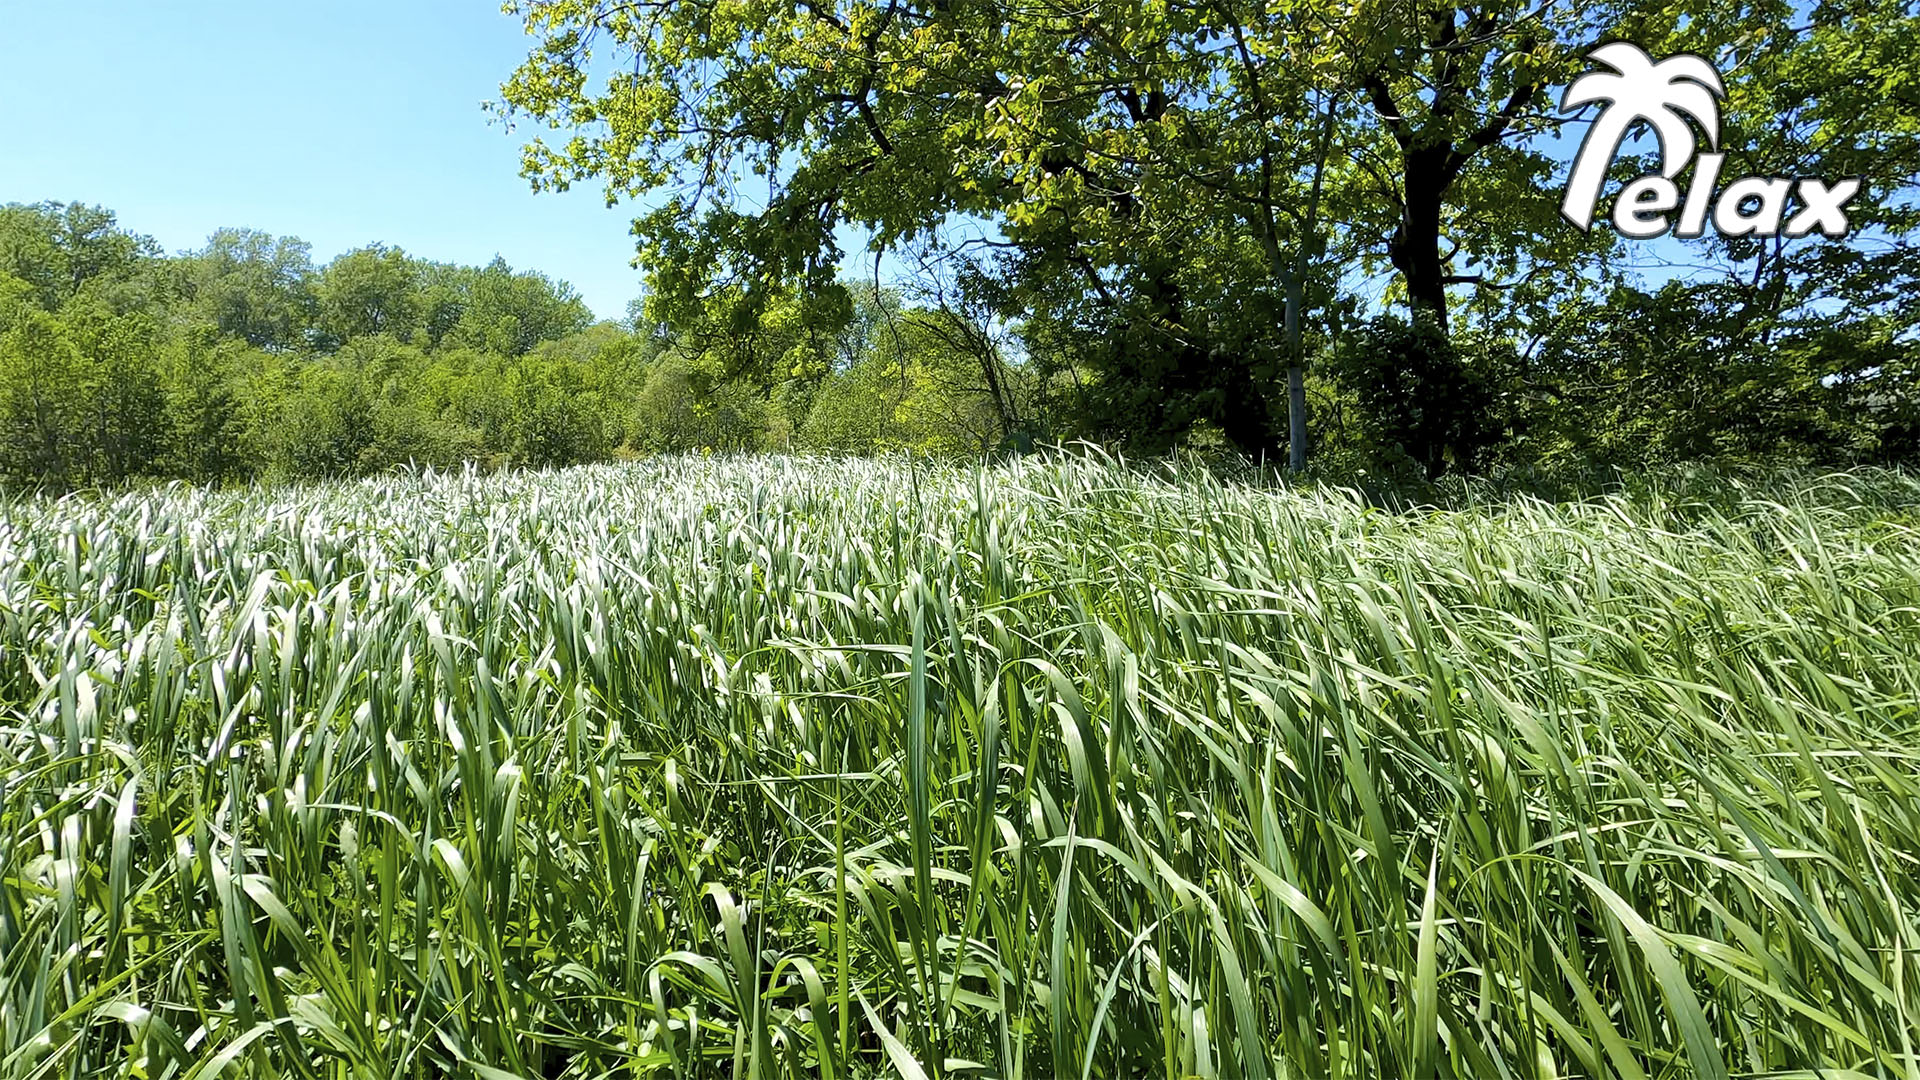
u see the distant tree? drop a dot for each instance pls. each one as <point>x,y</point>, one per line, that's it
<point>446,292</point>
<point>370,290</point>
<point>317,423</point>
<point>43,394</point>
<point>556,418</point>
<point>513,312</point>
<point>124,433</point>
<point>255,286</point>
<point>689,404</point>
<point>58,249</point>
<point>81,395</point>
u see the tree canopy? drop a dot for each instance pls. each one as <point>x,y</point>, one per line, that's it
<point>1146,169</point>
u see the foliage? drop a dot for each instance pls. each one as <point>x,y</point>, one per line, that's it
<point>1144,168</point>
<point>254,286</point>
<point>244,360</point>
<point>1687,373</point>
<point>687,405</point>
<point>918,387</point>
<point>62,250</point>
<point>1417,394</point>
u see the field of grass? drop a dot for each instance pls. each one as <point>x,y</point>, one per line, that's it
<point>1060,768</point>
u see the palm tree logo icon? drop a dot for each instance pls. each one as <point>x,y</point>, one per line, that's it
<point>1662,94</point>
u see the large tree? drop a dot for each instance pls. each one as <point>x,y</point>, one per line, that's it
<point>370,290</point>
<point>1097,139</point>
<point>1163,175</point>
<point>1443,173</point>
<point>1163,155</point>
<point>63,249</point>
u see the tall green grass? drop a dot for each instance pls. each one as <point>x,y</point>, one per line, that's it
<point>771,767</point>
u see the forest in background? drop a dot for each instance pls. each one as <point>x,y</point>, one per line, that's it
<point>244,359</point>
<point>1292,233</point>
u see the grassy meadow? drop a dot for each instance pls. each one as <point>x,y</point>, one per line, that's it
<point>774,767</point>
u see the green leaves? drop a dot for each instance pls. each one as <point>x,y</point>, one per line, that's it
<point>1688,1018</point>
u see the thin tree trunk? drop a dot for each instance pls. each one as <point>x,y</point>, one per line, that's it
<point>1296,297</point>
<point>1296,386</point>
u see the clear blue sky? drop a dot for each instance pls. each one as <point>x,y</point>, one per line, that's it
<point>341,122</point>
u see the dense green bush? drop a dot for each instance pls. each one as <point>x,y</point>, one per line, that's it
<point>1418,398</point>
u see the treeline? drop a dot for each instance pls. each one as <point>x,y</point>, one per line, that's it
<point>1195,215</point>
<point>244,360</point>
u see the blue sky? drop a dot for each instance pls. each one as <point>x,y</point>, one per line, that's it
<point>341,122</point>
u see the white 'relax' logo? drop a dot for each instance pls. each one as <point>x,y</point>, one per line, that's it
<point>1669,96</point>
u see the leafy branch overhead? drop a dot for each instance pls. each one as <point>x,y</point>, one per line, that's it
<point>1157,154</point>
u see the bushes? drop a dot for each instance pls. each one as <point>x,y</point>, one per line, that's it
<point>554,418</point>
<point>1638,380</point>
<point>920,384</point>
<point>1422,400</point>
<point>1685,374</point>
<point>244,360</point>
<point>686,404</point>
<point>204,414</point>
<point>81,397</point>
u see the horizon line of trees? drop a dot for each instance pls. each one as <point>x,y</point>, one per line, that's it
<point>244,360</point>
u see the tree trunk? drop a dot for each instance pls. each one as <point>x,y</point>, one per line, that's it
<point>1002,399</point>
<point>1303,254</point>
<point>1415,247</point>
<point>1296,378</point>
